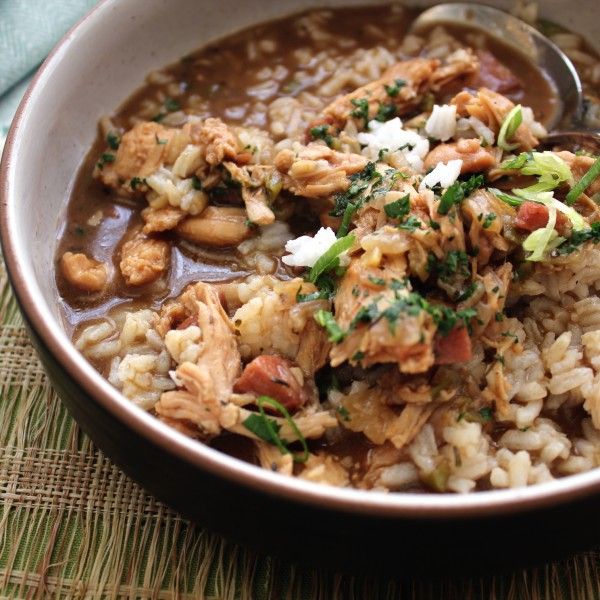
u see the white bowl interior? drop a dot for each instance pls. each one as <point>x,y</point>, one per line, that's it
<point>106,59</point>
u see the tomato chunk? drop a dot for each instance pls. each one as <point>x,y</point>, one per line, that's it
<point>532,216</point>
<point>454,347</point>
<point>271,375</point>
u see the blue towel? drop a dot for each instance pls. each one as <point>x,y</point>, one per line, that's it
<point>28,31</point>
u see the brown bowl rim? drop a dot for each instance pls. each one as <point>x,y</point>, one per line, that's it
<point>366,503</point>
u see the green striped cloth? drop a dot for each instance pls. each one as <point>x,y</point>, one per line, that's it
<point>73,526</point>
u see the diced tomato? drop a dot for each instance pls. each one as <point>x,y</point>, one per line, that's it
<point>271,375</point>
<point>454,347</point>
<point>532,216</point>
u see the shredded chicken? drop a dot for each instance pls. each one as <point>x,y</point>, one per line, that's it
<point>161,219</point>
<point>476,159</point>
<point>207,384</point>
<point>218,139</point>
<point>369,412</point>
<point>144,259</point>
<point>491,109</point>
<point>406,341</point>
<point>254,193</point>
<point>403,86</point>
<point>316,171</point>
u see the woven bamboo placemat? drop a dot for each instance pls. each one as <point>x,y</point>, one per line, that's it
<point>73,526</point>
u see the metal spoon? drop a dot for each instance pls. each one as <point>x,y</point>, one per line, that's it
<point>540,51</point>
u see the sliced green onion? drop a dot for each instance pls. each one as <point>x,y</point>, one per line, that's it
<point>537,241</point>
<point>507,198</point>
<point>286,415</point>
<point>267,428</point>
<point>550,169</point>
<point>509,127</point>
<point>330,259</point>
<point>326,320</point>
<point>592,174</point>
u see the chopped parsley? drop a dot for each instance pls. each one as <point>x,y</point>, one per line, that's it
<point>105,158</point>
<point>488,220</point>
<point>159,141</point>
<point>362,109</point>
<point>136,182</point>
<point>343,412</point>
<point>456,262</point>
<point>580,237</point>
<point>393,90</point>
<point>467,292</point>
<point>410,224</point>
<point>376,280</point>
<point>113,140</point>
<point>196,183</point>
<point>321,132</point>
<point>399,208</point>
<point>385,112</point>
<point>458,191</point>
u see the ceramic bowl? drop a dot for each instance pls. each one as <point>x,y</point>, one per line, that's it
<point>96,66</point>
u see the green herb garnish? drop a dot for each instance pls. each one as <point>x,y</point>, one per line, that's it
<point>113,140</point>
<point>362,109</point>
<point>267,428</point>
<point>488,220</point>
<point>385,112</point>
<point>509,127</point>
<point>321,132</point>
<point>326,320</point>
<point>458,191</point>
<point>393,90</point>
<point>410,224</point>
<point>590,176</point>
<point>398,208</point>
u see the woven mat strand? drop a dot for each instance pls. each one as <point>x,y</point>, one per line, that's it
<point>73,526</point>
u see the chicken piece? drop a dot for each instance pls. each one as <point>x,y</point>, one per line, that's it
<point>274,376</point>
<point>271,458</point>
<point>487,216</point>
<point>144,259</point>
<point>370,413</point>
<point>161,219</point>
<point>580,165</point>
<point>141,152</point>
<point>491,109</point>
<point>271,321</point>
<point>400,89</point>
<point>325,469</point>
<point>253,180</point>
<point>219,141</point>
<point>83,273</point>
<point>459,65</point>
<point>381,327</point>
<point>316,171</point>
<point>475,158</point>
<point>207,384</point>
